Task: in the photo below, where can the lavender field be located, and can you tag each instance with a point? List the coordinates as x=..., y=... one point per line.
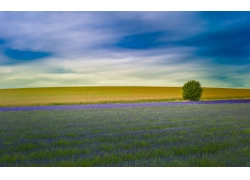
x=195, y=134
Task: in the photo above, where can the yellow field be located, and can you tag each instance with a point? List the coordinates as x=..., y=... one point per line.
x=90, y=95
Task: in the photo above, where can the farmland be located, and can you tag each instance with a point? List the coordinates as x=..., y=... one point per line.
x=93, y=95
x=190, y=135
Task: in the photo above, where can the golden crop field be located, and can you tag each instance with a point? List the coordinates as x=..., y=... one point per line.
x=90, y=95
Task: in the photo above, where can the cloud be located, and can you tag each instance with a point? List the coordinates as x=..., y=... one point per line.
x=141, y=41
x=75, y=34
x=124, y=48
x=128, y=71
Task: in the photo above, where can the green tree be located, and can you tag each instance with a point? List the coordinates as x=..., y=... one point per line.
x=192, y=90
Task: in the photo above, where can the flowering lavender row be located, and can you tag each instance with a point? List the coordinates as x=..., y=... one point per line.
x=207, y=135
x=119, y=105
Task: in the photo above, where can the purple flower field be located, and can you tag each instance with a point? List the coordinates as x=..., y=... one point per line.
x=202, y=133
x=119, y=105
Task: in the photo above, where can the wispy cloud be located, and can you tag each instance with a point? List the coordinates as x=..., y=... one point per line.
x=124, y=48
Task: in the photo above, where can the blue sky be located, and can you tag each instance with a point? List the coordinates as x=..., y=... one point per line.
x=44, y=49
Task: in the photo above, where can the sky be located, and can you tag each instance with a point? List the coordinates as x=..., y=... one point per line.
x=124, y=48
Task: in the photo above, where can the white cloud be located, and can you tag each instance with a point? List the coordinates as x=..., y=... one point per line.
x=84, y=51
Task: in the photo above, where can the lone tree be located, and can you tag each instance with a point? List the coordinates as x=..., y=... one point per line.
x=192, y=90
